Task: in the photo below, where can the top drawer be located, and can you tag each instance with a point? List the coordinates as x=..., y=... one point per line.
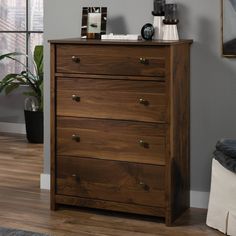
x=111, y=60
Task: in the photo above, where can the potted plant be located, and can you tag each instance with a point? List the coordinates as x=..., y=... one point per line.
x=33, y=78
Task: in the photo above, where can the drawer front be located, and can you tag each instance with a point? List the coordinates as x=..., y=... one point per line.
x=112, y=99
x=110, y=139
x=111, y=60
x=111, y=180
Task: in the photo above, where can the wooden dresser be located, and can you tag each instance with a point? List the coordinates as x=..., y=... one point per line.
x=120, y=126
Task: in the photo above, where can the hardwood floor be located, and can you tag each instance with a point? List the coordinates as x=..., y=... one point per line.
x=24, y=206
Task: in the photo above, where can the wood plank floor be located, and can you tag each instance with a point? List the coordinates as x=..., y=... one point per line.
x=24, y=206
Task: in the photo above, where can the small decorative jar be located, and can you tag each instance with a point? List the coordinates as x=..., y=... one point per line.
x=170, y=22
x=159, y=15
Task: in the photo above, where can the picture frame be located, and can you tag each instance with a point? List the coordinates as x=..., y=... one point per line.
x=93, y=22
x=228, y=15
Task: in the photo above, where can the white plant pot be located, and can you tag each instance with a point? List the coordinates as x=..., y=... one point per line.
x=159, y=27
x=170, y=32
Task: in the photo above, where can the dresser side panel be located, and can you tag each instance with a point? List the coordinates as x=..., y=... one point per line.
x=53, y=125
x=179, y=162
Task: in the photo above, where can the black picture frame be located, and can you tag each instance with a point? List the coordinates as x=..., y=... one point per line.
x=94, y=21
x=228, y=15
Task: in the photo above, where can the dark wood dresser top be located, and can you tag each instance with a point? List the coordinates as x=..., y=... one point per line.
x=119, y=42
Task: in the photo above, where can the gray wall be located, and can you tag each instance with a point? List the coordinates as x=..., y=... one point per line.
x=213, y=78
x=12, y=107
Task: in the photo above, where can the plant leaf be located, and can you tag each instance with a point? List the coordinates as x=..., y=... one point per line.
x=41, y=100
x=10, y=87
x=30, y=80
x=38, y=59
x=8, y=79
x=26, y=77
x=12, y=54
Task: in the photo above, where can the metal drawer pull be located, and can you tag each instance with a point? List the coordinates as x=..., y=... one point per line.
x=76, y=178
x=145, y=186
x=76, y=138
x=144, y=102
x=143, y=144
x=75, y=98
x=143, y=60
x=75, y=59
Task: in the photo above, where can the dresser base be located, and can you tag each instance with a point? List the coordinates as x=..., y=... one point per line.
x=108, y=205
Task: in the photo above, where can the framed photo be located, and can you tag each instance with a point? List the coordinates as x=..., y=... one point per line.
x=93, y=22
x=228, y=28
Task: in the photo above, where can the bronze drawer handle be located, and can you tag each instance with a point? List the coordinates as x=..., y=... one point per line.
x=76, y=138
x=143, y=144
x=145, y=186
x=144, y=60
x=144, y=102
x=75, y=98
x=76, y=177
x=75, y=59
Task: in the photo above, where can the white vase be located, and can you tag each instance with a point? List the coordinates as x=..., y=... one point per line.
x=170, y=32
x=159, y=27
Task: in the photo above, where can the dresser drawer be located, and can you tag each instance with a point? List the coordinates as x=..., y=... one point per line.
x=112, y=99
x=111, y=180
x=111, y=140
x=111, y=60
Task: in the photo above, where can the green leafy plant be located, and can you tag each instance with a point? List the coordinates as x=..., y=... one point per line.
x=32, y=78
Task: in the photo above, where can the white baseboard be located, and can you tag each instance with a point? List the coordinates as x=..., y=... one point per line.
x=15, y=128
x=45, y=181
x=197, y=199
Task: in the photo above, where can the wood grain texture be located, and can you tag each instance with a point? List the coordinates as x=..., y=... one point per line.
x=111, y=116
x=112, y=77
x=109, y=205
x=52, y=125
x=178, y=169
x=24, y=206
x=181, y=130
x=112, y=99
x=115, y=181
x=140, y=43
x=121, y=60
x=111, y=140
